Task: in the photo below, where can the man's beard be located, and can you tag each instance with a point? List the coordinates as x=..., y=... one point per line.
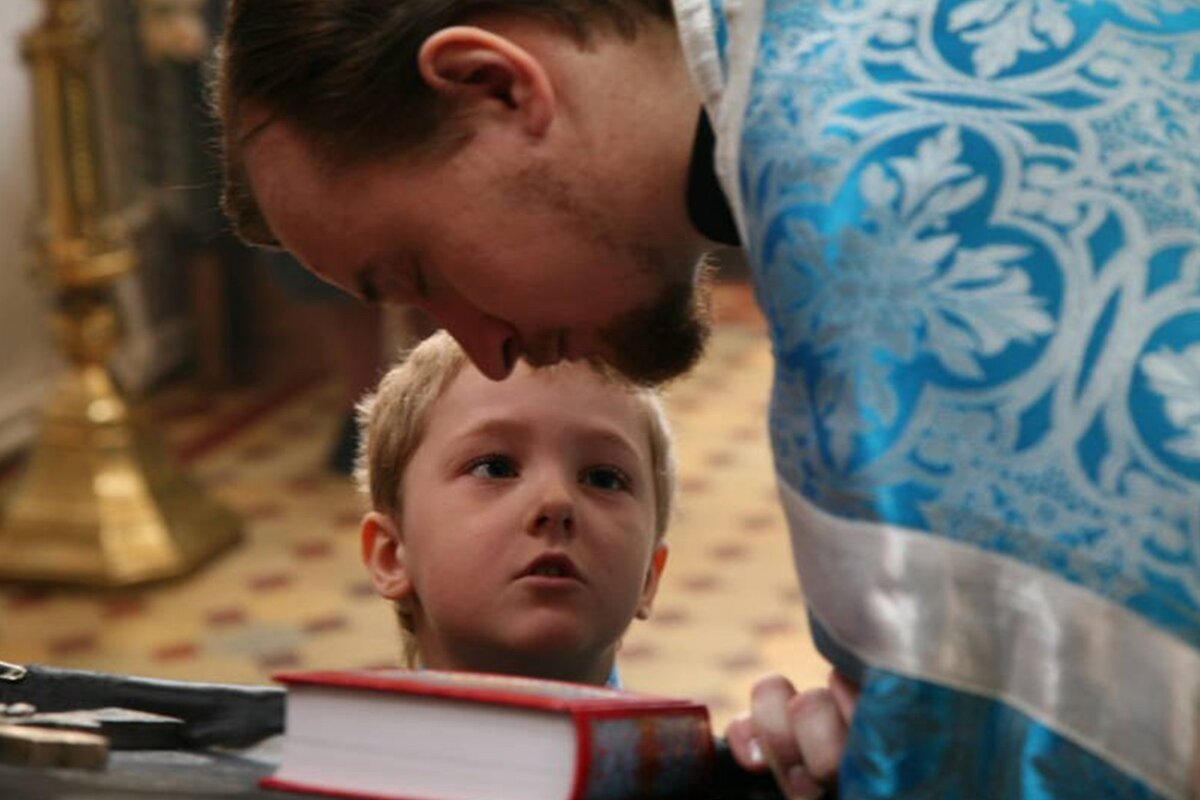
x=659, y=340
x=664, y=338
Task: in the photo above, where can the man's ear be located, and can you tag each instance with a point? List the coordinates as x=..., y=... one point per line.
x=478, y=70
x=384, y=556
x=658, y=562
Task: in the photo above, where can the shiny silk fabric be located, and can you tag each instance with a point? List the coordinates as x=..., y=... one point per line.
x=975, y=228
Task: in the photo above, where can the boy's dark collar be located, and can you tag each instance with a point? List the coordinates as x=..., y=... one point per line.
x=707, y=207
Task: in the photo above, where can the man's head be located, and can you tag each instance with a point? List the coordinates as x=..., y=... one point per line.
x=517, y=168
x=346, y=73
x=515, y=523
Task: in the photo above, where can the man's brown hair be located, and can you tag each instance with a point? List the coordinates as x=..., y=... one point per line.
x=344, y=72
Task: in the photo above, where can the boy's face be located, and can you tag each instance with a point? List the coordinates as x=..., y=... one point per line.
x=526, y=540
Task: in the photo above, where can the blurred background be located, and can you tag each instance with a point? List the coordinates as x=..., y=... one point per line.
x=174, y=448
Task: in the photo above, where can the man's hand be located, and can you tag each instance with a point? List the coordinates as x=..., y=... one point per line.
x=799, y=736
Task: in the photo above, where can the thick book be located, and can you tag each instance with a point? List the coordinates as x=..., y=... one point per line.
x=431, y=735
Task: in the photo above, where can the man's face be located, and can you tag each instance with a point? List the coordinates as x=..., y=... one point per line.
x=527, y=523
x=541, y=259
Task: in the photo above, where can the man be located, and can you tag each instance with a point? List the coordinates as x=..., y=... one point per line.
x=976, y=236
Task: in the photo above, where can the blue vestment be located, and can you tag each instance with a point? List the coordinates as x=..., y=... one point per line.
x=975, y=230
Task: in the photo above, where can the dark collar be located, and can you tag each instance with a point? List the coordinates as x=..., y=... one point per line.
x=707, y=207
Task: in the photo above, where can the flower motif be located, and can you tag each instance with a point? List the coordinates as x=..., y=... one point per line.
x=1176, y=377
x=1003, y=30
x=902, y=286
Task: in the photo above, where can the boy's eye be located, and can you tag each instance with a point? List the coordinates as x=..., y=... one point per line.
x=495, y=467
x=609, y=478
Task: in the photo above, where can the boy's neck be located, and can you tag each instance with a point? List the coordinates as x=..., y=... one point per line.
x=593, y=671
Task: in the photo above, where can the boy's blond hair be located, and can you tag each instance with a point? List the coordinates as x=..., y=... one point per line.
x=392, y=422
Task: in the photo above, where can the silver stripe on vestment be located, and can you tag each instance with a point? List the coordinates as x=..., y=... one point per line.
x=933, y=609
x=697, y=35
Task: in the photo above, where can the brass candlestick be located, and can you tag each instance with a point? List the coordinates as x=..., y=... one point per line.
x=100, y=501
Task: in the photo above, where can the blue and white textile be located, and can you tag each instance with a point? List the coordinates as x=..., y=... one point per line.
x=975, y=228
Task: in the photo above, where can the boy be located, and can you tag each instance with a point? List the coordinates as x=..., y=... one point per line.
x=517, y=526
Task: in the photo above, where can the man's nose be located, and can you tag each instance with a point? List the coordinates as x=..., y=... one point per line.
x=492, y=344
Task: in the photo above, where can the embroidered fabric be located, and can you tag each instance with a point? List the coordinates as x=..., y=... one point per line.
x=975, y=226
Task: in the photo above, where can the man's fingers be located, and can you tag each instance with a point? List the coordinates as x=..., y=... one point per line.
x=845, y=694
x=769, y=711
x=747, y=750
x=819, y=731
x=771, y=717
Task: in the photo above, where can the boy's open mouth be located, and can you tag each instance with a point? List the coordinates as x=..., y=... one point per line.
x=552, y=565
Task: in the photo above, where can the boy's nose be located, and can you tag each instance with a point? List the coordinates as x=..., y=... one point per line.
x=553, y=515
x=558, y=519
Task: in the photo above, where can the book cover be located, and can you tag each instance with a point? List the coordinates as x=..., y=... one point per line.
x=431, y=735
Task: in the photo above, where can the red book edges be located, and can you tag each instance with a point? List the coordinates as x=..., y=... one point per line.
x=430, y=735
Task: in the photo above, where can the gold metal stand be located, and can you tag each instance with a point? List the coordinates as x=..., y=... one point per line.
x=100, y=501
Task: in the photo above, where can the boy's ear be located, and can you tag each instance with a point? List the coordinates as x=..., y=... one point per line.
x=478, y=70
x=384, y=556
x=658, y=562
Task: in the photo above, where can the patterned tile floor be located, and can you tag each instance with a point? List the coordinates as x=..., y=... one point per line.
x=294, y=595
